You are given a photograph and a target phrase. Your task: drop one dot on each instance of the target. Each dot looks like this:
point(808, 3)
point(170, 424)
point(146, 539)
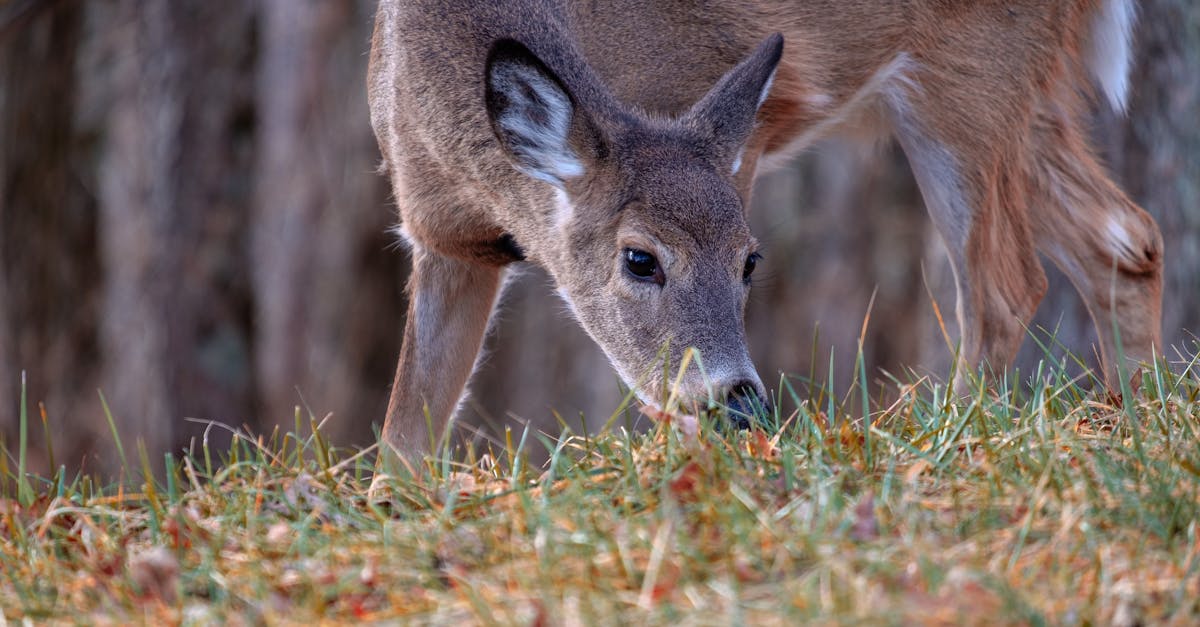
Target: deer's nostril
point(745, 404)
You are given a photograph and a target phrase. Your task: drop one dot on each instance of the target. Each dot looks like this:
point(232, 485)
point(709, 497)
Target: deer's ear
point(727, 112)
point(534, 115)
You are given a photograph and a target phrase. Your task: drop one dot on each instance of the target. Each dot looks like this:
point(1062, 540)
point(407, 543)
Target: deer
point(616, 144)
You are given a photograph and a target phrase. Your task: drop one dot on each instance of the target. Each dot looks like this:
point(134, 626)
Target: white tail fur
point(1110, 53)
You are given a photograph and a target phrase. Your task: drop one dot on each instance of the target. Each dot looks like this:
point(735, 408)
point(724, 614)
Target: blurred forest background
point(190, 221)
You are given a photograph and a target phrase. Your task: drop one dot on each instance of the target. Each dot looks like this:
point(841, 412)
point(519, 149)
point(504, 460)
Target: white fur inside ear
point(762, 97)
point(766, 90)
point(536, 123)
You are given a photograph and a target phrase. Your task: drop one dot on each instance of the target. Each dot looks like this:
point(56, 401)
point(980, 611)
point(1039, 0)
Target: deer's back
point(427, 66)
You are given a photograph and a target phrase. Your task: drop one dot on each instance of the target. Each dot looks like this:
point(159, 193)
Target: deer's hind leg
point(1107, 245)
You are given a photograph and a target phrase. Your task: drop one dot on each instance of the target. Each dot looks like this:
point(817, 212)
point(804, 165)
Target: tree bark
point(173, 174)
point(328, 293)
point(48, 269)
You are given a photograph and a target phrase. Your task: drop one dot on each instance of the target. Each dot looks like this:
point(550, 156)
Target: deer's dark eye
point(642, 265)
point(751, 263)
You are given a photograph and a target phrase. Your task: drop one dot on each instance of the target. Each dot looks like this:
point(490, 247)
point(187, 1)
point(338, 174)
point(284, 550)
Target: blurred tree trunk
point(191, 220)
point(328, 322)
point(854, 231)
point(173, 174)
point(48, 269)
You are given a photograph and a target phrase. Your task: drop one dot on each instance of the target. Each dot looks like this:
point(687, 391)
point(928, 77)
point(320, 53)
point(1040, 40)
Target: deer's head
point(647, 239)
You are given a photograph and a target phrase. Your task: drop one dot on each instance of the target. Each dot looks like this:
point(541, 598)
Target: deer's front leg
point(450, 302)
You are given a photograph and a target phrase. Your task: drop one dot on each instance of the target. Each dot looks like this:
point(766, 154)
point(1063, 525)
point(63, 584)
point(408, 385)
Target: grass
point(1033, 503)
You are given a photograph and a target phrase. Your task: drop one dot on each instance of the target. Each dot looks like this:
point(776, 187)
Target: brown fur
point(982, 95)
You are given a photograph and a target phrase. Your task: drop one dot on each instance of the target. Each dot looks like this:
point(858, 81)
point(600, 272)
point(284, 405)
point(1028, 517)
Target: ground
point(1035, 502)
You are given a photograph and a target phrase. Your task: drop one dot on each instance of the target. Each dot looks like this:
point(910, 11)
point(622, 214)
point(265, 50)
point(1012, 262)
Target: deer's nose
point(745, 403)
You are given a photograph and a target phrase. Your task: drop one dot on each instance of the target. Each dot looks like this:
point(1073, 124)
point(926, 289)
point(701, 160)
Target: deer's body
point(984, 97)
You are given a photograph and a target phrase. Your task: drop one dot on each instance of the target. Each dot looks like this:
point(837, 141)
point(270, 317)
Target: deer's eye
point(642, 265)
point(751, 263)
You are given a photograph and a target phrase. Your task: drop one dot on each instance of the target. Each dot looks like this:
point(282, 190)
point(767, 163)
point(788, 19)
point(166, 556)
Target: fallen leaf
point(759, 445)
point(460, 484)
point(866, 525)
point(684, 486)
point(916, 470)
point(686, 423)
point(279, 536)
point(154, 572)
point(541, 618)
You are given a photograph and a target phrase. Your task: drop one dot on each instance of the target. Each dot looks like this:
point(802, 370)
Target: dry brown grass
point(1043, 506)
